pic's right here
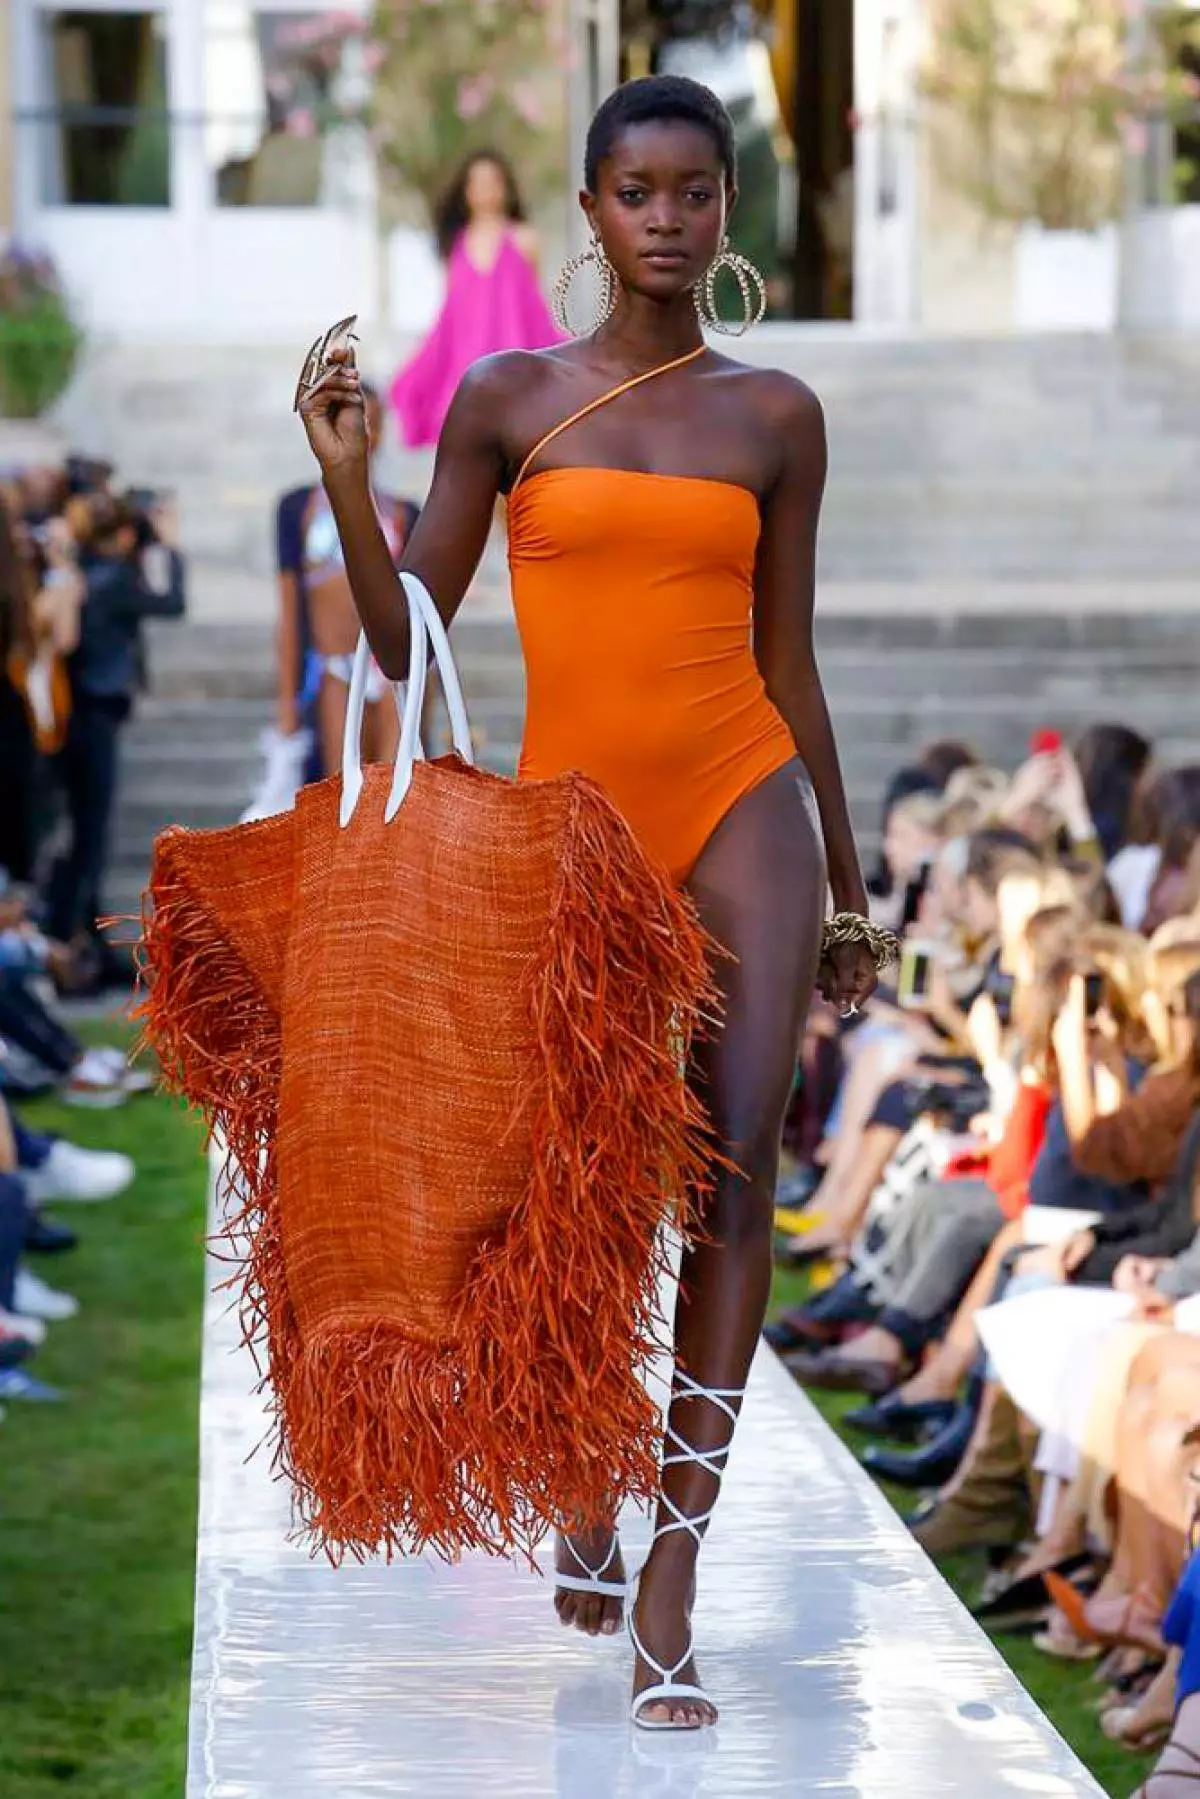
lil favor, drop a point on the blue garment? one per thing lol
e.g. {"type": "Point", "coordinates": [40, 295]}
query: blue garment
{"type": "Point", "coordinates": [107, 662]}
{"type": "Point", "coordinates": [1181, 1627]}
{"type": "Point", "coordinates": [17, 951]}
{"type": "Point", "coordinates": [14, 1220]}
{"type": "Point", "coordinates": [1055, 1180]}
{"type": "Point", "coordinates": [32, 1147]}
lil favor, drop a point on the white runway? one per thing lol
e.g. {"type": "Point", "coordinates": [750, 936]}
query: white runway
{"type": "Point", "coordinates": [842, 1664]}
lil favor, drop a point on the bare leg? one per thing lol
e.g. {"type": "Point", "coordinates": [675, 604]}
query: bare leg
{"type": "Point", "coordinates": [944, 1372]}
{"type": "Point", "coordinates": [332, 699]}
{"type": "Point", "coordinates": [1154, 1501]}
{"type": "Point", "coordinates": [871, 1072]}
{"type": "Point", "coordinates": [841, 1211]}
{"type": "Point", "coordinates": [1177, 1775]}
{"type": "Point", "coordinates": [760, 888]}
{"type": "Point", "coordinates": [1067, 1536]}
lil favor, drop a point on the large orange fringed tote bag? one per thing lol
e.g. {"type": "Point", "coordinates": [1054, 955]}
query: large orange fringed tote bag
{"type": "Point", "coordinates": [441, 1020]}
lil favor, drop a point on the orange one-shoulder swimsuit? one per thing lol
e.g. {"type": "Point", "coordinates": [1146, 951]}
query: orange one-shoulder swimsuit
{"type": "Point", "coordinates": [633, 596]}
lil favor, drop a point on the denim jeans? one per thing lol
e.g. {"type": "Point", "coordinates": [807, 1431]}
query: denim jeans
{"type": "Point", "coordinates": [26, 1022]}
{"type": "Point", "coordinates": [14, 1216]}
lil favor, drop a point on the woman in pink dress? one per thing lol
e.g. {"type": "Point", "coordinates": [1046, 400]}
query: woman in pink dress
{"type": "Point", "coordinates": [493, 301]}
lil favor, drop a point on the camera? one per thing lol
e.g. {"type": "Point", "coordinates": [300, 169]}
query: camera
{"type": "Point", "coordinates": [96, 517]}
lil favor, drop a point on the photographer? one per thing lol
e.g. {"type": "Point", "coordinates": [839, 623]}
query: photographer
{"type": "Point", "coordinates": [131, 570]}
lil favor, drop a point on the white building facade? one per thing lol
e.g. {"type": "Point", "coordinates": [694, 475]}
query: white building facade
{"type": "Point", "coordinates": [167, 159]}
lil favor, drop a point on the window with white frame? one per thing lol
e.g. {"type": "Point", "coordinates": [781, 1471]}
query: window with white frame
{"type": "Point", "coordinates": [271, 82]}
{"type": "Point", "coordinates": [105, 129]}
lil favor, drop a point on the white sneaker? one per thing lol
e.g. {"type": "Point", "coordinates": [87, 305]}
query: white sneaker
{"type": "Point", "coordinates": [36, 1298]}
{"type": "Point", "coordinates": [70, 1172]}
{"type": "Point", "coordinates": [32, 1329]}
{"type": "Point", "coordinates": [108, 1059]}
{"type": "Point", "coordinates": [95, 1082]}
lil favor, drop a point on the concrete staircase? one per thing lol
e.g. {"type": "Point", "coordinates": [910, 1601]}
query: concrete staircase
{"type": "Point", "coordinates": [1060, 459]}
{"type": "Point", "coordinates": [1011, 538]}
{"type": "Point", "coordinates": [894, 681]}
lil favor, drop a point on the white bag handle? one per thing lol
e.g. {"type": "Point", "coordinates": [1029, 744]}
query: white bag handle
{"type": "Point", "coordinates": [425, 624]}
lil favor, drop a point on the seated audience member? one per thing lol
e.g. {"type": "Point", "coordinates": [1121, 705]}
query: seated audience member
{"type": "Point", "coordinates": [943, 1229]}
{"type": "Point", "coordinates": [1175, 889]}
{"type": "Point", "coordinates": [892, 1043]}
{"type": "Point", "coordinates": [1112, 760]}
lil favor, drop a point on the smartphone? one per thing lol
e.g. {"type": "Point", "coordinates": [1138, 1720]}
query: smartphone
{"type": "Point", "coordinates": [914, 893]}
{"type": "Point", "coordinates": [916, 974]}
{"type": "Point", "coordinates": [1094, 991]}
{"type": "Point", "coordinates": [1000, 987]}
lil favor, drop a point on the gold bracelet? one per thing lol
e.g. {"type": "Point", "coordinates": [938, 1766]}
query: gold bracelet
{"type": "Point", "coordinates": [846, 928]}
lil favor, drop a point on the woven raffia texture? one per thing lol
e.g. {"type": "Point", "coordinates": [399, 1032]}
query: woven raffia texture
{"type": "Point", "coordinates": [445, 1054]}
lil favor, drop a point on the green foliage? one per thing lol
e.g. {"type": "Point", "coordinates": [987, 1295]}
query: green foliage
{"type": "Point", "coordinates": [462, 75]}
{"type": "Point", "coordinates": [1036, 102]}
{"type": "Point", "coordinates": [39, 342]}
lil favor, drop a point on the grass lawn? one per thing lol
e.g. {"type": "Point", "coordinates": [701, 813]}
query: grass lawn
{"type": "Point", "coordinates": [1065, 1691]}
{"type": "Point", "coordinates": [98, 1496]}
{"type": "Point", "coordinates": [98, 1499]}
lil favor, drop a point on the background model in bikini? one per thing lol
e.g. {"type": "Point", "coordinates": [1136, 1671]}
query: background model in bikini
{"type": "Point", "coordinates": [318, 625]}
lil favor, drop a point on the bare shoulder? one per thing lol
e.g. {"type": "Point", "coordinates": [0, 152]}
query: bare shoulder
{"type": "Point", "coordinates": [780, 402]}
{"type": "Point", "coordinates": [491, 385]}
{"type": "Point", "coordinates": [525, 237]}
{"type": "Point", "coordinates": [787, 417]}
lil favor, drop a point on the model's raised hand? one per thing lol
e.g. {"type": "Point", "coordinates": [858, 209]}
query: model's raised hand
{"type": "Point", "coordinates": [334, 416]}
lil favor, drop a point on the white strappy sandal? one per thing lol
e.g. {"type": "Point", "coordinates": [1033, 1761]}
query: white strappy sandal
{"type": "Point", "coordinates": [592, 1579]}
{"type": "Point", "coordinates": [667, 1689]}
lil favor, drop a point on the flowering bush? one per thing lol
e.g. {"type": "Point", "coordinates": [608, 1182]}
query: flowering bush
{"type": "Point", "coordinates": [444, 77]}
{"type": "Point", "coordinates": [38, 340]}
{"type": "Point", "coordinates": [1035, 101]}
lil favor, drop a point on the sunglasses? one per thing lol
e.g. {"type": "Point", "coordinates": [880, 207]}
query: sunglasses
{"type": "Point", "coordinates": [318, 365]}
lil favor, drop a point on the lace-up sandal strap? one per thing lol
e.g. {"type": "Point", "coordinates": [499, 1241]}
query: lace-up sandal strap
{"type": "Point", "coordinates": [687, 1455]}
{"type": "Point", "coordinates": [666, 1690]}
{"type": "Point", "coordinates": [592, 1579]}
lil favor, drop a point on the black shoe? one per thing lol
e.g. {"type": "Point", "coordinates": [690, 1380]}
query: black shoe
{"type": "Point", "coordinates": [1023, 1604]}
{"type": "Point", "coordinates": [792, 1330]}
{"type": "Point", "coordinates": [891, 1417]}
{"type": "Point", "coordinates": [44, 1238]}
{"type": "Point", "coordinates": [838, 1373]}
{"type": "Point", "coordinates": [14, 1351]}
{"type": "Point", "coordinates": [932, 1464]}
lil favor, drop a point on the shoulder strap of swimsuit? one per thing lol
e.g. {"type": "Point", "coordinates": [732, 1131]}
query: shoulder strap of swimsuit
{"type": "Point", "coordinates": [614, 393]}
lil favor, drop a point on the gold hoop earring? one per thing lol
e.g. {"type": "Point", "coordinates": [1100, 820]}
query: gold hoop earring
{"type": "Point", "coordinates": [751, 286]}
{"type": "Point", "coordinates": [606, 280]}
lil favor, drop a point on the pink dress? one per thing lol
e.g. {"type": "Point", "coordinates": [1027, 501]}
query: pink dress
{"type": "Point", "coordinates": [498, 309]}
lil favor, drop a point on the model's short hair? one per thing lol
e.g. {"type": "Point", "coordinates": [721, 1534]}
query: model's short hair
{"type": "Point", "coordinates": [651, 100]}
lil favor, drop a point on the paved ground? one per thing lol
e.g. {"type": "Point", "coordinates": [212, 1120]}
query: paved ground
{"type": "Point", "coordinates": [844, 1664]}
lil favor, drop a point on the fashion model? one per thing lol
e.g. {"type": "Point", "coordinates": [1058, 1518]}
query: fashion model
{"type": "Point", "coordinates": [663, 507]}
{"type": "Point", "coordinates": [492, 302]}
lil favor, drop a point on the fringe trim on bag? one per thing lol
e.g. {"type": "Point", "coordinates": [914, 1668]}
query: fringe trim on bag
{"type": "Point", "coordinates": [535, 1413]}
{"type": "Point", "coordinates": [218, 1045]}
